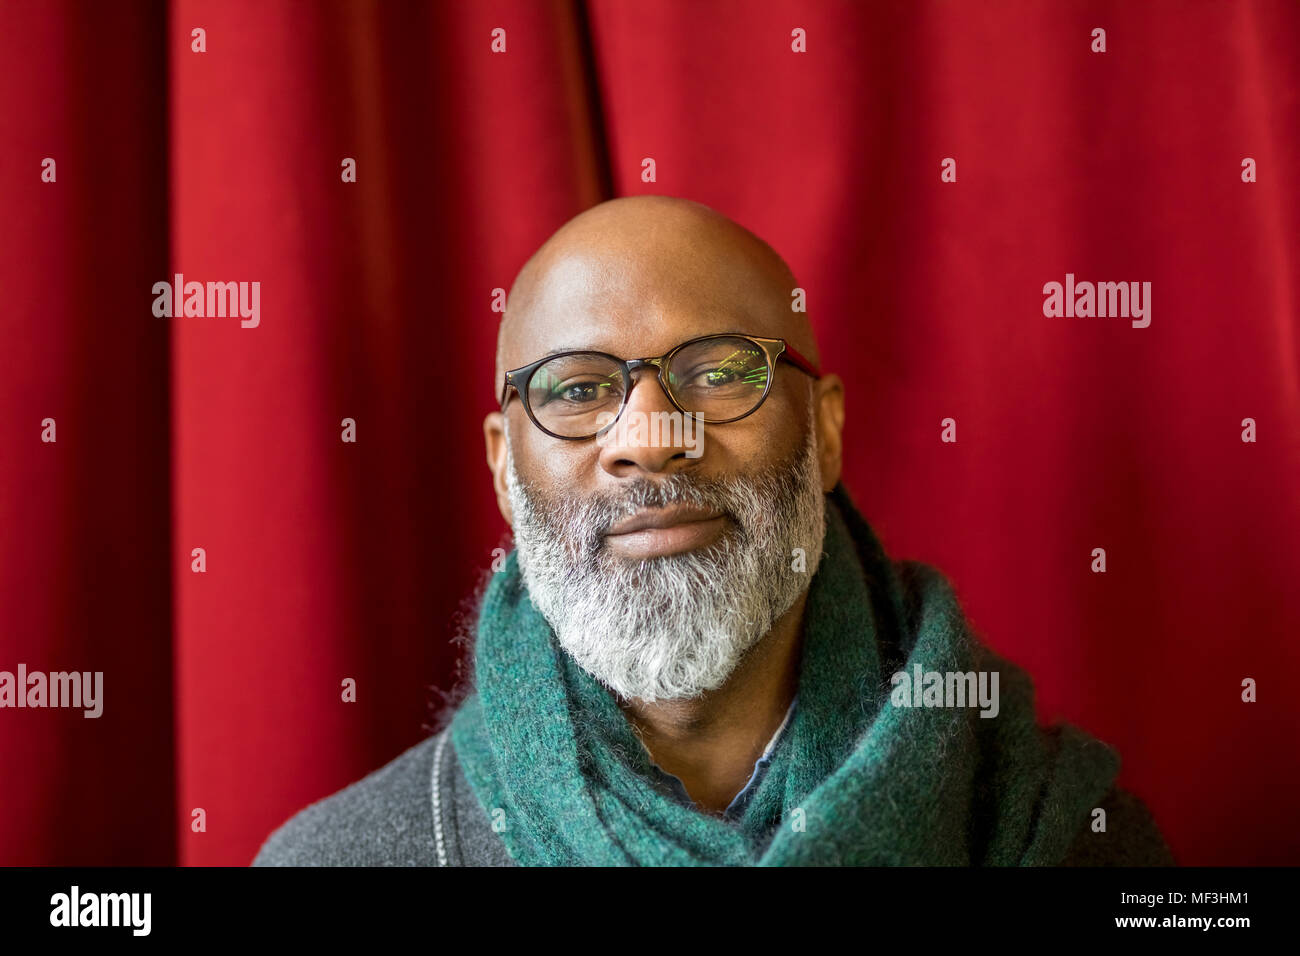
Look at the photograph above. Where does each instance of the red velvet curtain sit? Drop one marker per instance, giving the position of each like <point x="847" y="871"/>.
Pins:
<point x="328" y="560"/>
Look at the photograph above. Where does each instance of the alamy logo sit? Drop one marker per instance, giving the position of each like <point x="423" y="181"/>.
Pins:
<point x="635" y="429"/>
<point x="1120" y="300"/>
<point x="56" y="689"/>
<point x="946" y="689"/>
<point x="213" y="299"/>
<point x="102" y="909"/>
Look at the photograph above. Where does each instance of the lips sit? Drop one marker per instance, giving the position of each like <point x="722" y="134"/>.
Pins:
<point x="658" y="518"/>
<point x="659" y="532"/>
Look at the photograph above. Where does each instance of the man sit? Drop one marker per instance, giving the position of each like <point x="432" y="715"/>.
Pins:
<point x="698" y="652"/>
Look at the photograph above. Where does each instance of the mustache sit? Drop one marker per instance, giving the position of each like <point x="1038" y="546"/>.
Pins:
<point x="594" y="516"/>
<point x="674" y="490"/>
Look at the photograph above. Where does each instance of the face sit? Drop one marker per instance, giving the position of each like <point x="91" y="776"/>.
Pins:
<point x="659" y="565"/>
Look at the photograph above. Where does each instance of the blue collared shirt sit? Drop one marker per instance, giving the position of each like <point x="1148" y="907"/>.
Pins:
<point x="672" y="785"/>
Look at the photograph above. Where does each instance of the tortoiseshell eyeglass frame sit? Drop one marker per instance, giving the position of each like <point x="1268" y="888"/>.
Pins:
<point x="516" y="380"/>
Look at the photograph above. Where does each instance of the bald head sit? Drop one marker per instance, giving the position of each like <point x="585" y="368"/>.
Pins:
<point x="637" y="275"/>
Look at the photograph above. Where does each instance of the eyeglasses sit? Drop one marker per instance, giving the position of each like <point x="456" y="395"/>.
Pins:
<point x="717" y="378"/>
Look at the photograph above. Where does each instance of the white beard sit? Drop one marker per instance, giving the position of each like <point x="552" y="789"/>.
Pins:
<point x="675" y="626"/>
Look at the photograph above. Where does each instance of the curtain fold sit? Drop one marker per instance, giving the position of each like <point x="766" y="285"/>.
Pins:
<point x="85" y="572"/>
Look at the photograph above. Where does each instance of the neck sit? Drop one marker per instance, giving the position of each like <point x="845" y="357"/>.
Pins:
<point x="711" y="742"/>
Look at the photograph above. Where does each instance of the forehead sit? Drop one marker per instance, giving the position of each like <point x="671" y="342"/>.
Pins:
<point x="636" y="300"/>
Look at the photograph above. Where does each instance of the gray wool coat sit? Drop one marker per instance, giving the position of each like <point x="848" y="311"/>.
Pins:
<point x="419" y="810"/>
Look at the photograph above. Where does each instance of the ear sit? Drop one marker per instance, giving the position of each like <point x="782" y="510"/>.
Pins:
<point x="828" y="410"/>
<point x="494" y="436"/>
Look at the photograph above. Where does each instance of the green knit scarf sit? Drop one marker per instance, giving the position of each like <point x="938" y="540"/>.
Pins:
<point x="857" y="779"/>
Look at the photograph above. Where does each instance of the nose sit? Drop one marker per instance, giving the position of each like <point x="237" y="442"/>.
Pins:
<point x="649" y="436"/>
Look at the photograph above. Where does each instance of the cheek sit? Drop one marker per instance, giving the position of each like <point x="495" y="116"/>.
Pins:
<point x="773" y="433"/>
<point x="551" y="465"/>
<point x="733" y="448"/>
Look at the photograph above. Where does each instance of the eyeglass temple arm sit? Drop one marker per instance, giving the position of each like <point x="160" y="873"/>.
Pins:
<point x="800" y="362"/>
<point x="507" y="389"/>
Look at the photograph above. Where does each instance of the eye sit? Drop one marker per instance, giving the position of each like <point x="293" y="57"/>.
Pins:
<point x="717" y="376"/>
<point x="578" y="392"/>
